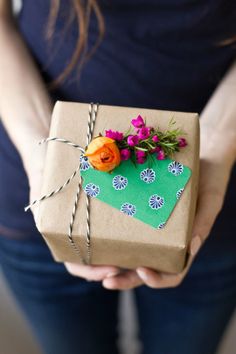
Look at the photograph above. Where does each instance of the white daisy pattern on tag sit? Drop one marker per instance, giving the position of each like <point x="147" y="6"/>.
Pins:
<point x="148" y="175"/>
<point x="179" y="193"/>
<point x="119" y="182"/>
<point x="84" y="163"/>
<point x="161" y="225"/>
<point x="92" y="190"/>
<point x="176" y="168"/>
<point x="128" y="209"/>
<point x="156" y="201"/>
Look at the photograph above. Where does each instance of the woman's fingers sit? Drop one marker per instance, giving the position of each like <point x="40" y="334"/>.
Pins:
<point x="96" y="273"/>
<point x="131" y="279"/>
<point x="157" y="280"/>
<point x="160" y="280"/>
<point x="125" y="280"/>
<point x="150" y="277"/>
<point x="211" y="194"/>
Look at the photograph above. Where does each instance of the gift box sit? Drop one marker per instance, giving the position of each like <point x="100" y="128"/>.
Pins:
<point x="115" y="238"/>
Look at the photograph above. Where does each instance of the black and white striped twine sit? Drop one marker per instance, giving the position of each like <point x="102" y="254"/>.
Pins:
<point x="92" y="115"/>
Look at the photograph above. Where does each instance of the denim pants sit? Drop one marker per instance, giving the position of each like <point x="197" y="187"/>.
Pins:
<point x="72" y="316"/>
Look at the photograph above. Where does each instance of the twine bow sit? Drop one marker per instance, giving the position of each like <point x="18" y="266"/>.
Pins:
<point x="92" y="115"/>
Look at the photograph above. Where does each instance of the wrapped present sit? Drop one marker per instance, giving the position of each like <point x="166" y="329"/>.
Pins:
<point x="138" y="214"/>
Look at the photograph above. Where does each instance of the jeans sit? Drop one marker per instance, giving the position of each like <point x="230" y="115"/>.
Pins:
<point x="72" y="316"/>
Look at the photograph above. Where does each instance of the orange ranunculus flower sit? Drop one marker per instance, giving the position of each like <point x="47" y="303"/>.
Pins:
<point x="103" y="154"/>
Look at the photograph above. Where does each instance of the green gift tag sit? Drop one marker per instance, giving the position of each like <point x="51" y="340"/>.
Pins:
<point x="148" y="192"/>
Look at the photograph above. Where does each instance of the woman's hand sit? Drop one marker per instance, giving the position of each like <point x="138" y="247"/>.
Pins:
<point x="214" y="176"/>
<point x="215" y="168"/>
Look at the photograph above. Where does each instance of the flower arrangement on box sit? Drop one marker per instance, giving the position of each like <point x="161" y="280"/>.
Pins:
<point x="139" y="143"/>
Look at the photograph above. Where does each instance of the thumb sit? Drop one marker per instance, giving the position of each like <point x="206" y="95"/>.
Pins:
<point x="208" y="207"/>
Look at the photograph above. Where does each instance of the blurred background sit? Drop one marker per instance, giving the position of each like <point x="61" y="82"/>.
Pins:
<point x="16" y="338"/>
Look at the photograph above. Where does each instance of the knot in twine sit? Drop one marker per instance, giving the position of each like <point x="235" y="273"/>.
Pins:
<point x="92" y="115"/>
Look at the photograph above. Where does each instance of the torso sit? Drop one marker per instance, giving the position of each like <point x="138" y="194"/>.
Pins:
<point x="156" y="53"/>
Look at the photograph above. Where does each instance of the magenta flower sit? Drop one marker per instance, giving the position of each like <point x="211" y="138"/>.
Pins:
<point x="141" y="160"/>
<point x="161" y="155"/>
<point x="144" y="133"/>
<point x="114" y="134"/>
<point x="140" y="156"/>
<point x="140" y="153"/>
<point x="132" y="140"/>
<point x="138" y="122"/>
<point x="156" y="149"/>
<point x="155" y="139"/>
<point x="125" y="154"/>
<point x="182" y="142"/>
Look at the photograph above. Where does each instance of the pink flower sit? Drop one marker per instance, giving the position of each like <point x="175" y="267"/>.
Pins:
<point x="156" y="149"/>
<point x="132" y="140"/>
<point x="144" y="132"/>
<point x="155" y="139"/>
<point x="138" y="122"/>
<point x="182" y="142"/>
<point x="161" y="155"/>
<point x="114" y="134"/>
<point x="140" y="156"/>
<point x="141" y="160"/>
<point x="124" y="154"/>
<point x="140" y="153"/>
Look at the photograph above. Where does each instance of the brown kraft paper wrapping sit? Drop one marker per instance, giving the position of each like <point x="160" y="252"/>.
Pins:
<point x="116" y="239"/>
